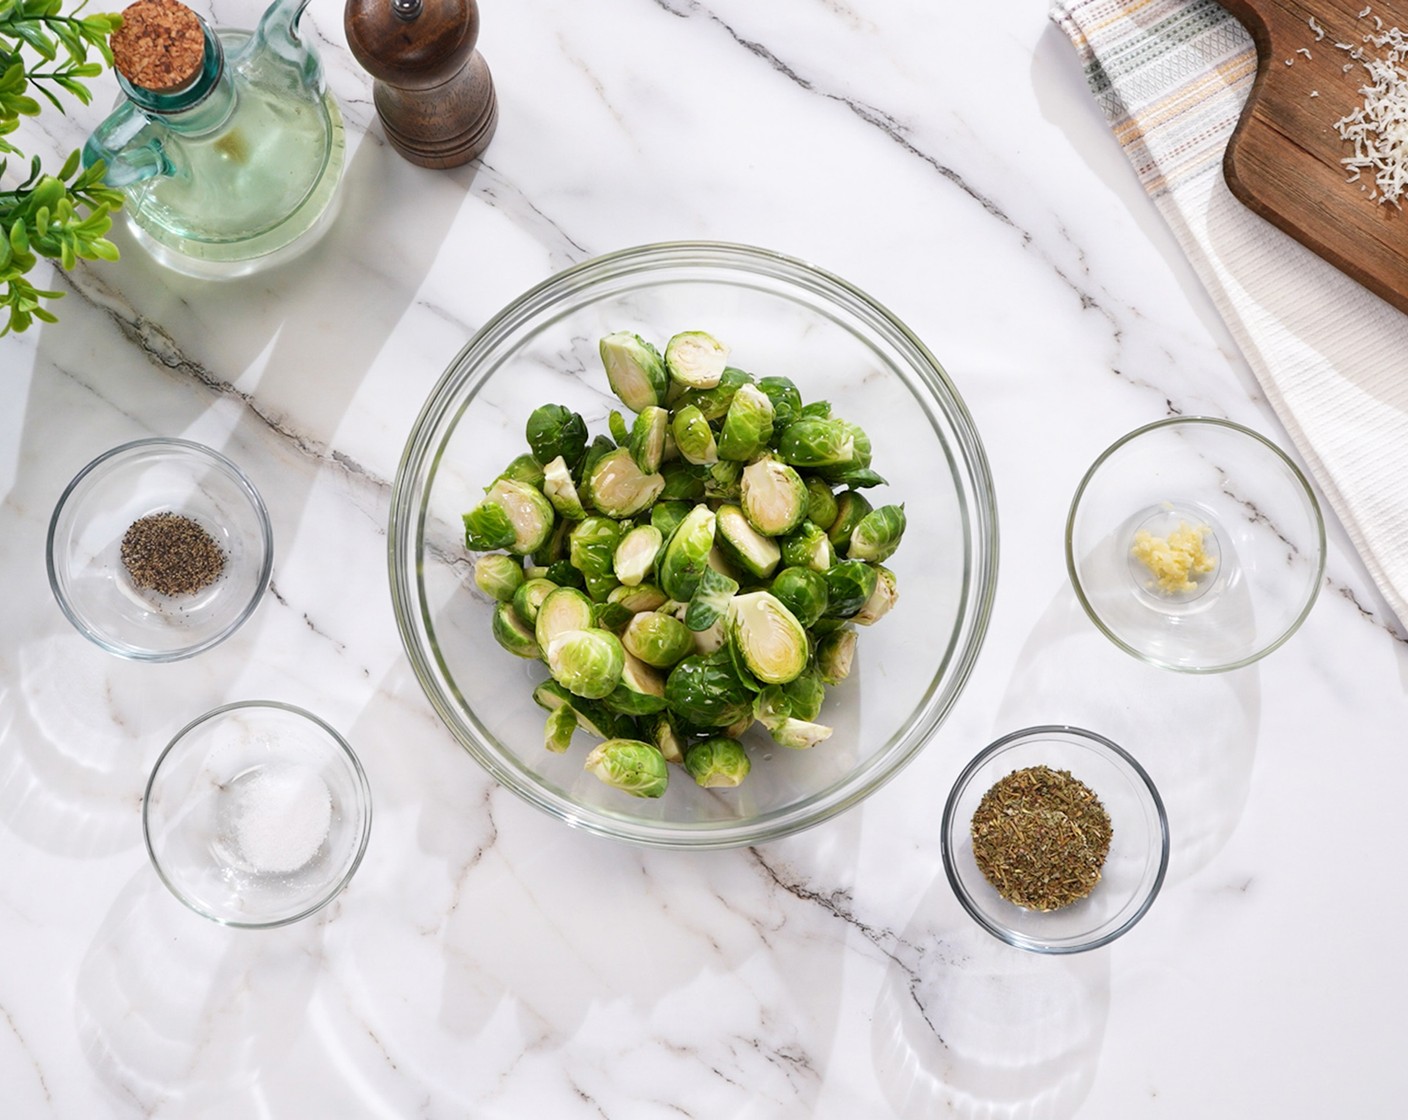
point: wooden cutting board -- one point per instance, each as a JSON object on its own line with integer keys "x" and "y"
{"x": 1284, "y": 158}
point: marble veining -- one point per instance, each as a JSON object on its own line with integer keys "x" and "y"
{"x": 490, "y": 962}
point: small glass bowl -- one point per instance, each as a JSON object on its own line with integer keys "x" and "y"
{"x": 1139, "y": 845}
{"x": 1259, "y": 522}
{"x": 257, "y": 814}
{"x": 150, "y": 476}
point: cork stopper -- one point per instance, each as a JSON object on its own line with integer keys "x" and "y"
{"x": 160, "y": 45}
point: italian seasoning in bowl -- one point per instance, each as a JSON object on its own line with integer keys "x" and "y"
{"x": 159, "y": 549}
{"x": 1055, "y": 839}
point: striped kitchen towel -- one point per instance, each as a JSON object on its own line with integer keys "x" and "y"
{"x": 1332, "y": 358}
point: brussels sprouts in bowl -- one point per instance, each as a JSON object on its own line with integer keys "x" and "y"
{"x": 681, "y": 475}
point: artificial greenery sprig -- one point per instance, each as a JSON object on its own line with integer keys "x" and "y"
{"x": 63, "y": 217}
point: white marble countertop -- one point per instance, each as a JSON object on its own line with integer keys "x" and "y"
{"x": 488, "y": 961}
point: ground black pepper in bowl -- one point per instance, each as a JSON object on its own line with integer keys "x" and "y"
{"x": 171, "y": 554}
{"x": 1040, "y": 837}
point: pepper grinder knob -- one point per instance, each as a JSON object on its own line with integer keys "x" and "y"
{"x": 432, "y": 89}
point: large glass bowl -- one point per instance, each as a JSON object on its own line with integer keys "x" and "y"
{"x": 779, "y": 316}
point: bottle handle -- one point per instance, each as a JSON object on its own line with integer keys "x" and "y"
{"x": 125, "y": 161}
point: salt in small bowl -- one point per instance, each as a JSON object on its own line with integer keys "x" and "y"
{"x": 257, "y": 814}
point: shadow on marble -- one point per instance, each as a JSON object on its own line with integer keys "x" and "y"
{"x": 180, "y": 1016}
{"x": 1195, "y": 734}
{"x": 571, "y": 967}
{"x": 70, "y": 778}
{"x": 967, "y": 1026}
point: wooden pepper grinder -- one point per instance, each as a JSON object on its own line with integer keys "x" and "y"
{"x": 432, "y": 89}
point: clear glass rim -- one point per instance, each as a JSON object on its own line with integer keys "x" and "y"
{"x": 266, "y": 541}
{"x": 1013, "y": 937}
{"x": 406, "y": 527}
{"x": 1296, "y": 473}
{"x": 360, "y": 780}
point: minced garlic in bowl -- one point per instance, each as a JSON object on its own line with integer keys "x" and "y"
{"x": 1174, "y": 560}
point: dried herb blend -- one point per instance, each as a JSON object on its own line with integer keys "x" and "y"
{"x": 1040, "y": 837}
{"x": 171, "y": 554}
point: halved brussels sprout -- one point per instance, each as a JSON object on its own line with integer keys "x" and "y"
{"x": 767, "y": 637}
{"x": 641, "y": 691}
{"x": 529, "y": 597}
{"x": 851, "y": 509}
{"x": 634, "y": 369}
{"x": 686, "y": 555}
{"x": 718, "y": 762}
{"x": 555, "y": 431}
{"x": 885, "y": 596}
{"x": 786, "y": 400}
{"x": 803, "y": 592}
{"x": 668, "y": 740}
{"x": 711, "y": 640}
{"x": 644, "y": 597}
{"x": 600, "y": 587}
{"x": 592, "y": 545}
{"x": 647, "y": 439}
{"x": 835, "y": 654}
{"x": 513, "y": 514}
{"x": 799, "y": 734}
{"x": 600, "y": 446}
{"x": 744, "y": 545}
{"x": 557, "y": 733}
{"x": 619, "y": 488}
{"x": 859, "y": 461}
{"x": 814, "y": 443}
{"x": 849, "y": 584}
{"x": 513, "y": 633}
{"x": 666, "y": 516}
{"x": 773, "y": 497}
{"x": 710, "y": 599}
{"x": 524, "y": 468}
{"x": 563, "y": 609}
{"x": 562, "y": 573}
{"x": 596, "y": 720}
{"x": 713, "y": 403}
{"x": 610, "y": 616}
{"x": 808, "y": 547}
{"x": 723, "y": 482}
{"x": 657, "y": 639}
{"x": 487, "y": 526}
{"x": 806, "y": 694}
{"x": 696, "y": 359}
{"x": 694, "y": 439}
{"x": 747, "y": 425}
{"x": 555, "y": 547}
{"x": 821, "y": 503}
{"x": 636, "y": 553}
{"x": 877, "y": 534}
{"x": 617, "y": 426}
{"x": 561, "y": 491}
{"x": 630, "y": 765}
{"x": 684, "y": 482}
{"x": 585, "y": 662}
{"x": 498, "y": 576}
{"x": 706, "y": 691}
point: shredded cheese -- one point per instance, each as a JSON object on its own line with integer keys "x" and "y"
{"x": 1378, "y": 129}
